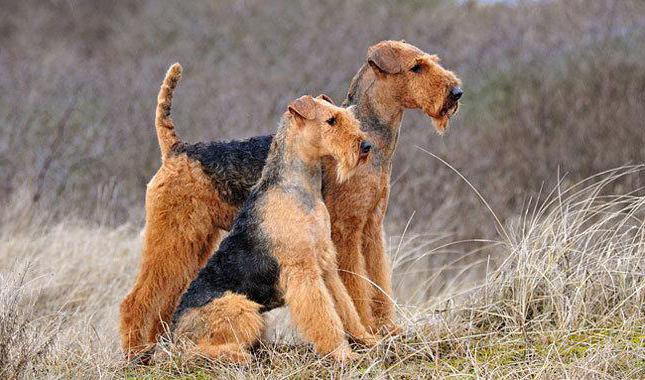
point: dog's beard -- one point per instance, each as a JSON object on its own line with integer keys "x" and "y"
{"x": 346, "y": 167}
{"x": 343, "y": 173}
{"x": 442, "y": 122}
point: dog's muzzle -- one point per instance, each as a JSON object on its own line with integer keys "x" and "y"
{"x": 452, "y": 102}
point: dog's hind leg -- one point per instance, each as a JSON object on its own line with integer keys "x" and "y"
{"x": 168, "y": 303}
{"x": 150, "y": 305}
{"x": 180, "y": 235}
{"x": 133, "y": 324}
{"x": 223, "y": 329}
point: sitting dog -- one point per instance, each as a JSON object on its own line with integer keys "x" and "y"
{"x": 280, "y": 250}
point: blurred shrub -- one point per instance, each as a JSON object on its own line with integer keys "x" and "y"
{"x": 551, "y": 86}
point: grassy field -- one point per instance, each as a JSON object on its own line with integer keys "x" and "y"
{"x": 562, "y": 297}
{"x": 518, "y": 249}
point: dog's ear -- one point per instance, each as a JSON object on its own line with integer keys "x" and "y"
{"x": 304, "y": 107}
{"x": 384, "y": 58}
{"x": 325, "y": 98}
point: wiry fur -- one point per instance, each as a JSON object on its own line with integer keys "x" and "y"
{"x": 279, "y": 250}
{"x": 199, "y": 189}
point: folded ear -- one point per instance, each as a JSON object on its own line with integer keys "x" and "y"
{"x": 325, "y": 98}
{"x": 304, "y": 107}
{"x": 384, "y": 58}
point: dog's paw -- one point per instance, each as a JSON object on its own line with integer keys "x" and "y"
{"x": 368, "y": 340}
{"x": 143, "y": 356}
{"x": 235, "y": 356}
{"x": 344, "y": 355}
{"x": 390, "y": 329}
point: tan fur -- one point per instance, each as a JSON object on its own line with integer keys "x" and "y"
{"x": 409, "y": 90}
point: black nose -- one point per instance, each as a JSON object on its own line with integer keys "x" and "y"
{"x": 456, "y": 93}
{"x": 365, "y": 147}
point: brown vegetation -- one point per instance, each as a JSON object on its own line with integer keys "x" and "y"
{"x": 550, "y": 86}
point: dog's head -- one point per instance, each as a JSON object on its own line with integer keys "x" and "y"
{"x": 328, "y": 130}
{"x": 416, "y": 80}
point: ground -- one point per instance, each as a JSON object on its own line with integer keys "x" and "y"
{"x": 563, "y": 297}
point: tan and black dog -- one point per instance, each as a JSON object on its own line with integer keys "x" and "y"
{"x": 279, "y": 251}
{"x": 199, "y": 189}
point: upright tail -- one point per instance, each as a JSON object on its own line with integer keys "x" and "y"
{"x": 165, "y": 127}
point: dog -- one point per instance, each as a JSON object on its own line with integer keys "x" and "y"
{"x": 279, "y": 250}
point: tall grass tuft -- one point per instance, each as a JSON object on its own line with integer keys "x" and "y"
{"x": 25, "y": 340}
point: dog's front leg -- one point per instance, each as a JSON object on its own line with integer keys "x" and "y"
{"x": 344, "y": 305}
{"x": 352, "y": 271}
{"x": 312, "y": 310}
{"x": 379, "y": 271}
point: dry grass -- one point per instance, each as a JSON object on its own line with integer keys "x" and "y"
{"x": 563, "y": 296}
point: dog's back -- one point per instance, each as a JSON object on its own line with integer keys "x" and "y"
{"x": 233, "y": 166}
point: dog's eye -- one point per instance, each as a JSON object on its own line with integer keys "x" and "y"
{"x": 416, "y": 68}
{"x": 331, "y": 121}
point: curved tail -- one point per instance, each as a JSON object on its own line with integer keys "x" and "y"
{"x": 163, "y": 123}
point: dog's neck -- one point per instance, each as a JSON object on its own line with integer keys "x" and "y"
{"x": 378, "y": 110}
{"x": 290, "y": 164}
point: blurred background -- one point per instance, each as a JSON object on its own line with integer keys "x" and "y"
{"x": 552, "y": 88}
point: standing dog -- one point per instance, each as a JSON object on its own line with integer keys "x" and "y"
{"x": 279, "y": 250}
{"x": 200, "y": 187}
